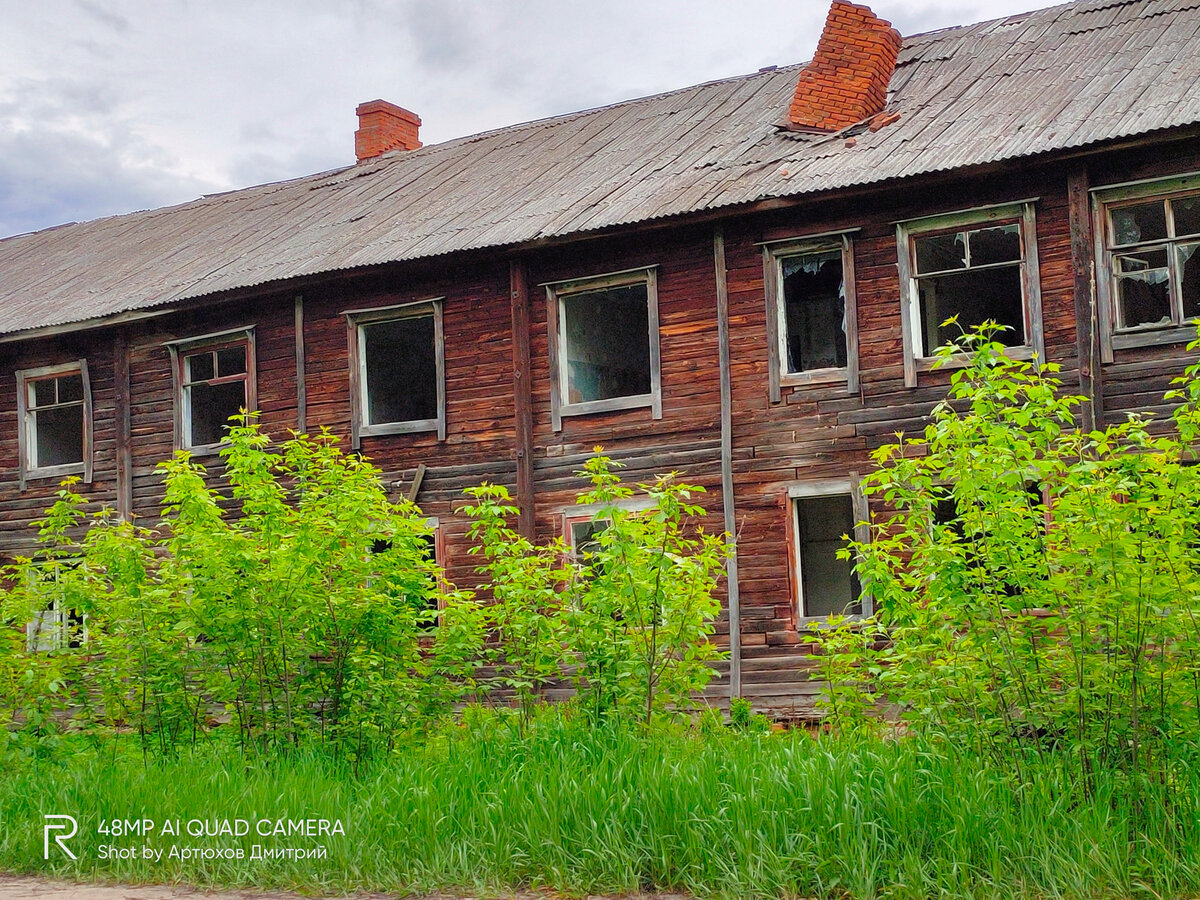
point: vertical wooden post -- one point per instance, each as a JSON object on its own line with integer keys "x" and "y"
{"x": 727, "y": 499}
{"x": 301, "y": 389}
{"x": 523, "y": 396}
{"x": 122, "y": 420}
{"x": 1087, "y": 331}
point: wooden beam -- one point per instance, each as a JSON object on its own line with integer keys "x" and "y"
{"x": 124, "y": 436}
{"x": 727, "y": 497}
{"x": 518, "y": 281}
{"x": 301, "y": 390}
{"x": 1087, "y": 331}
{"x": 415, "y": 488}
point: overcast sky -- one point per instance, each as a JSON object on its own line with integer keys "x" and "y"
{"x": 108, "y": 106}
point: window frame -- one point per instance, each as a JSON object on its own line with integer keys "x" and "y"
{"x": 1020, "y": 212}
{"x": 556, "y": 293}
{"x": 27, "y": 440}
{"x": 833, "y": 487}
{"x": 587, "y": 513}
{"x": 1104, "y": 200}
{"x": 356, "y": 319}
{"x": 774, "y": 255}
{"x": 220, "y": 340}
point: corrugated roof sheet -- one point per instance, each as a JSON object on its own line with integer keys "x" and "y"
{"x": 1052, "y": 80}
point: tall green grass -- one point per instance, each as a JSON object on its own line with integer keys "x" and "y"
{"x": 615, "y": 810}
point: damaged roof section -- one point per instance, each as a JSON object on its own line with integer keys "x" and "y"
{"x": 1049, "y": 81}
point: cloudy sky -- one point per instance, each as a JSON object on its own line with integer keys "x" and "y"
{"x": 108, "y": 106}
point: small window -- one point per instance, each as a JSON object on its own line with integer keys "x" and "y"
{"x": 811, "y": 315}
{"x": 972, "y": 267}
{"x": 824, "y": 515}
{"x": 434, "y": 552}
{"x": 604, "y": 344}
{"x": 215, "y": 379}
{"x": 56, "y": 628}
{"x": 55, "y": 406}
{"x": 1150, "y": 264}
{"x": 398, "y": 365}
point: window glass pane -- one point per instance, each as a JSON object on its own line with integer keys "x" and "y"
{"x": 1143, "y": 293}
{"x": 940, "y": 252}
{"x": 607, "y": 343}
{"x": 211, "y": 406}
{"x": 231, "y": 361}
{"x": 199, "y": 367}
{"x": 1187, "y": 215}
{"x": 996, "y": 245}
{"x": 975, "y": 297}
{"x": 401, "y": 364}
{"x": 70, "y": 388}
{"x": 1144, "y": 222}
{"x": 1189, "y": 278}
{"x": 585, "y": 536}
{"x": 42, "y": 392}
{"x": 828, "y": 584}
{"x": 58, "y": 436}
{"x": 815, "y": 311}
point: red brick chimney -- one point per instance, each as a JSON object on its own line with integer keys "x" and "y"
{"x": 847, "y": 80}
{"x": 384, "y": 126}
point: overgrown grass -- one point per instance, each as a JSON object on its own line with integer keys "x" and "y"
{"x": 616, "y": 810}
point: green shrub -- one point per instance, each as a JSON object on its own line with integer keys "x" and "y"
{"x": 1040, "y": 586}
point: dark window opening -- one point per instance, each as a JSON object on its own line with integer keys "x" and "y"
{"x": 814, "y": 303}
{"x": 973, "y": 276}
{"x": 606, "y": 343}
{"x": 400, "y": 362}
{"x": 55, "y": 414}
{"x": 428, "y": 598}
{"x": 215, "y": 388}
{"x": 828, "y": 585}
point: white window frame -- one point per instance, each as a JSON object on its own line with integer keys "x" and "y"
{"x": 356, "y": 320}
{"x": 838, "y": 487}
{"x": 918, "y": 358}
{"x": 774, "y": 255}
{"x": 184, "y": 347}
{"x": 588, "y": 512}
{"x": 1111, "y": 196}
{"x": 556, "y": 292}
{"x": 26, "y": 435}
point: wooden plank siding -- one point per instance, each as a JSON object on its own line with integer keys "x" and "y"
{"x": 815, "y": 432}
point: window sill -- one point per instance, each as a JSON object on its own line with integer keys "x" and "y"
{"x": 55, "y": 471}
{"x": 414, "y": 426}
{"x": 206, "y": 449}
{"x": 815, "y": 376}
{"x": 1156, "y": 337}
{"x": 961, "y": 360}
{"x": 612, "y": 404}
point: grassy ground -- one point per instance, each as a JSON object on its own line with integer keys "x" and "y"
{"x": 611, "y": 811}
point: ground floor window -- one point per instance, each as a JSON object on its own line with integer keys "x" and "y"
{"x": 824, "y": 516}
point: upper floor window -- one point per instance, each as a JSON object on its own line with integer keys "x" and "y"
{"x": 55, "y": 409}
{"x": 811, "y": 315}
{"x": 397, "y": 370}
{"x": 215, "y": 380}
{"x": 970, "y": 267}
{"x": 1148, "y": 242}
{"x": 604, "y": 344}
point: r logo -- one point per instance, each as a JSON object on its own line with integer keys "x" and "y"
{"x": 58, "y": 823}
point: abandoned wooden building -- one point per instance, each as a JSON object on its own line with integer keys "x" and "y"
{"x": 742, "y": 281}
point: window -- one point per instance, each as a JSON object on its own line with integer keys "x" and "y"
{"x": 823, "y": 515}
{"x": 54, "y": 404}
{"x": 604, "y": 344}
{"x": 56, "y": 628}
{"x": 397, "y": 366}
{"x": 1148, "y": 239}
{"x": 811, "y": 316}
{"x": 974, "y": 266}
{"x": 582, "y": 525}
{"x": 433, "y": 546}
{"x": 214, "y": 377}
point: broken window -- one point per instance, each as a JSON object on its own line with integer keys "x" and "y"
{"x": 824, "y": 516}
{"x": 813, "y": 311}
{"x": 215, "y": 378}
{"x": 1152, "y": 249}
{"x": 427, "y": 602}
{"x": 971, "y": 268}
{"x": 399, "y": 367}
{"x": 606, "y": 347}
{"x": 56, "y": 407}
{"x": 56, "y": 628}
